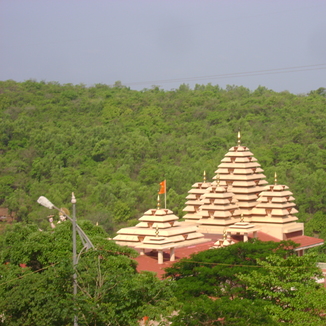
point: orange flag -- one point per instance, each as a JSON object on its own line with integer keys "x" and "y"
{"x": 163, "y": 187}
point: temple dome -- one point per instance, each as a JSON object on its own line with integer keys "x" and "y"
{"x": 162, "y": 224}
{"x": 242, "y": 174}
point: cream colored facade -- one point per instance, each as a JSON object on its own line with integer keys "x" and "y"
{"x": 238, "y": 203}
{"x": 239, "y": 188}
{"x": 159, "y": 229}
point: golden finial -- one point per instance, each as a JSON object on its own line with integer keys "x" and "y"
{"x": 158, "y": 201}
{"x": 156, "y": 231}
{"x": 275, "y": 179}
{"x": 204, "y": 176}
{"x": 239, "y": 138}
{"x": 218, "y": 180}
{"x": 241, "y": 218}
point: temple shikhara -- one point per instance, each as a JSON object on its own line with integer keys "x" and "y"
{"x": 159, "y": 229}
{"x": 236, "y": 205}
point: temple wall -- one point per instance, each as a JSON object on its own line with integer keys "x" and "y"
{"x": 280, "y": 231}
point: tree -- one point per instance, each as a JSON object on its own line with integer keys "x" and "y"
{"x": 42, "y": 298}
{"x": 214, "y": 272}
{"x": 208, "y": 285}
{"x": 249, "y": 283}
{"x": 289, "y": 286}
{"x": 66, "y": 138}
{"x": 210, "y": 312}
{"x": 36, "y": 280}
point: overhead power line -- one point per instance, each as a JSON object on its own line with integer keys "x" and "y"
{"x": 234, "y": 75}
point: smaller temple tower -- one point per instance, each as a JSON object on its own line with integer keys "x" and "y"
{"x": 194, "y": 202}
{"x": 274, "y": 212}
{"x": 218, "y": 209}
{"x": 158, "y": 229}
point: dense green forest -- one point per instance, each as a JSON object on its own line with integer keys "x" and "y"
{"x": 113, "y": 145}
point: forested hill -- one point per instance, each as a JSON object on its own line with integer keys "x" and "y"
{"x": 112, "y": 146}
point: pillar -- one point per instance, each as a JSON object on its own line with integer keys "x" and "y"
{"x": 172, "y": 254}
{"x": 160, "y": 256}
{"x": 245, "y": 237}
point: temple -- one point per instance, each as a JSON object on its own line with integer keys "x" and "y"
{"x": 159, "y": 230}
{"x": 237, "y": 205}
{"x": 240, "y": 203}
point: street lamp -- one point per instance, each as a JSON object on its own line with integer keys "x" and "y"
{"x": 75, "y": 227}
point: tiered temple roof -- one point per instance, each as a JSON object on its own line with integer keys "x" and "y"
{"x": 241, "y": 172}
{"x": 219, "y": 209}
{"x": 193, "y": 202}
{"x": 240, "y": 189}
{"x": 275, "y": 211}
{"x": 162, "y": 224}
{"x": 237, "y": 204}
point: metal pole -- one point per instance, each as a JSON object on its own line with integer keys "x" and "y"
{"x": 165, "y": 195}
{"x": 84, "y": 238}
{"x": 74, "y": 254}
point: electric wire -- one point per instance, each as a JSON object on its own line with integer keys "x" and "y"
{"x": 188, "y": 261}
{"x": 31, "y": 273}
{"x": 320, "y": 66}
{"x": 53, "y": 264}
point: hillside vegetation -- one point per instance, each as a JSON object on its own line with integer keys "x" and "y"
{"x": 113, "y": 145}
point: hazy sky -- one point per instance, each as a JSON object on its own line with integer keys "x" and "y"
{"x": 277, "y": 44}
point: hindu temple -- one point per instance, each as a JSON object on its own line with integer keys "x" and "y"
{"x": 236, "y": 205}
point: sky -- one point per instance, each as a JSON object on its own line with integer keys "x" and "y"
{"x": 278, "y": 44}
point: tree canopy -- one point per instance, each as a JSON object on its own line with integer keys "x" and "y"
{"x": 113, "y": 145}
{"x": 36, "y": 280}
{"x": 204, "y": 272}
{"x": 253, "y": 283}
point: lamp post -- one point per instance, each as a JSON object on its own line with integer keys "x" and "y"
{"x": 74, "y": 251}
{"x": 75, "y": 228}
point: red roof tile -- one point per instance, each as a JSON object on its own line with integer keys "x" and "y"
{"x": 149, "y": 261}
{"x": 306, "y": 242}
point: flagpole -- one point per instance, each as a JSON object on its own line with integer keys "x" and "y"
{"x": 165, "y": 195}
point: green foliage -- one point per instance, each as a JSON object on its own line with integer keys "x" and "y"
{"x": 110, "y": 291}
{"x": 249, "y": 284}
{"x": 214, "y": 272}
{"x": 121, "y": 212}
{"x": 28, "y": 298}
{"x": 210, "y": 312}
{"x": 320, "y": 252}
{"x": 112, "y": 145}
{"x": 316, "y": 225}
{"x": 291, "y": 289}
{"x": 26, "y": 243}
